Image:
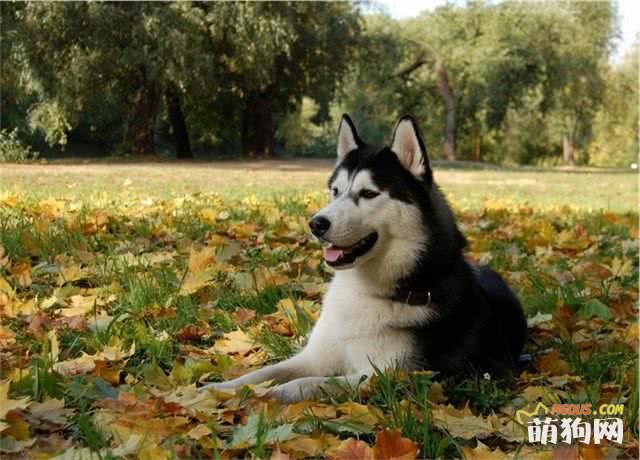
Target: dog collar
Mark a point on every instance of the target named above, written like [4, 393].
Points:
[413, 298]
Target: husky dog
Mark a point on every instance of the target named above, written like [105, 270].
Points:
[402, 294]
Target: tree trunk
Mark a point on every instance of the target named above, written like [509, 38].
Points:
[178, 124]
[568, 144]
[450, 105]
[257, 125]
[138, 138]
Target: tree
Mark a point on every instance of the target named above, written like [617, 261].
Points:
[275, 53]
[580, 69]
[263, 56]
[615, 124]
[130, 51]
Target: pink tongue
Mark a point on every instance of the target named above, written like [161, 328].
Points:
[331, 254]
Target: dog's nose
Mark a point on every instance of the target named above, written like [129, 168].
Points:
[319, 225]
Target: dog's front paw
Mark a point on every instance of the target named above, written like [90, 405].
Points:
[286, 393]
[218, 386]
[297, 390]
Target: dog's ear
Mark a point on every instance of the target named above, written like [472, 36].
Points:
[407, 144]
[347, 137]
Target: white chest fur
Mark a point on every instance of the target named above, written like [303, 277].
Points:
[359, 326]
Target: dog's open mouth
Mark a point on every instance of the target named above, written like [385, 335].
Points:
[337, 256]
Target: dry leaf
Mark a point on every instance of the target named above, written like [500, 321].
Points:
[234, 342]
[553, 364]
[242, 316]
[351, 449]
[391, 445]
[7, 405]
[482, 451]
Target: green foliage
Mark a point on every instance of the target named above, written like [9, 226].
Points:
[13, 149]
[481, 392]
[301, 136]
[391, 391]
[615, 127]
[502, 82]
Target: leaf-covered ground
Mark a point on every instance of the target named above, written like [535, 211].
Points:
[113, 310]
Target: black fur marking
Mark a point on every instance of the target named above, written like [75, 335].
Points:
[347, 119]
[479, 325]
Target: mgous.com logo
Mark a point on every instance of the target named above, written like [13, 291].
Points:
[572, 427]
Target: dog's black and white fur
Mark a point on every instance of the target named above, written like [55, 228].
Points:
[403, 294]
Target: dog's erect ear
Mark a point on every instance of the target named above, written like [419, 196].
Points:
[347, 137]
[408, 146]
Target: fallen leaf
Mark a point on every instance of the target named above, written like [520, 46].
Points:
[77, 366]
[462, 423]
[553, 364]
[277, 454]
[391, 445]
[234, 342]
[7, 405]
[242, 316]
[199, 431]
[7, 338]
[482, 451]
[351, 449]
[310, 446]
[49, 412]
[22, 273]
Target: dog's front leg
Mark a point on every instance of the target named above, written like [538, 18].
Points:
[292, 368]
[315, 387]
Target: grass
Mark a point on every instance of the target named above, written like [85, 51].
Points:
[468, 188]
[121, 242]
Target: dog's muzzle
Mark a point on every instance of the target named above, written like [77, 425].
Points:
[319, 226]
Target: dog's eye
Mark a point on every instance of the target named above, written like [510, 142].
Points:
[334, 191]
[368, 194]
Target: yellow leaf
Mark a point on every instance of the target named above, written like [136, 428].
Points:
[80, 305]
[69, 271]
[22, 273]
[87, 363]
[10, 201]
[621, 268]
[114, 351]
[7, 338]
[77, 366]
[463, 424]
[300, 409]
[153, 453]
[351, 449]
[310, 446]
[207, 215]
[234, 342]
[359, 413]
[199, 431]
[5, 287]
[201, 259]
[18, 430]
[7, 405]
[17, 307]
[193, 282]
[483, 451]
[55, 346]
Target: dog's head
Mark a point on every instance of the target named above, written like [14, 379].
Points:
[377, 197]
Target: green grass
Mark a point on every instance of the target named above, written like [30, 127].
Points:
[255, 218]
[467, 187]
